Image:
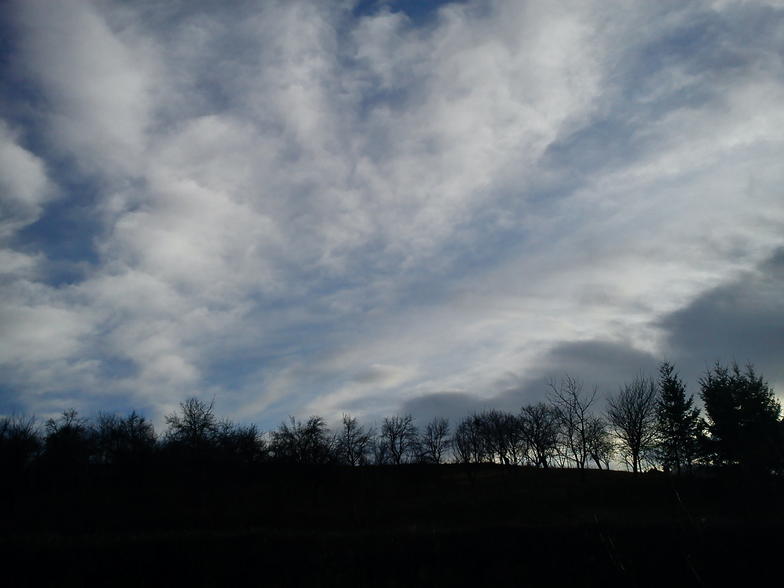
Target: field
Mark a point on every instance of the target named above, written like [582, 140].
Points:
[389, 526]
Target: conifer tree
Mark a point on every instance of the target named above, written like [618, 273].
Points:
[743, 418]
[677, 421]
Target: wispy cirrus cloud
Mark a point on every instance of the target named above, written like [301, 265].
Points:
[312, 207]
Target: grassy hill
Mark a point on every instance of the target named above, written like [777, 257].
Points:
[388, 526]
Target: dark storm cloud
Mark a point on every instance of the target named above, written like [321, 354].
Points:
[603, 365]
[741, 321]
[451, 405]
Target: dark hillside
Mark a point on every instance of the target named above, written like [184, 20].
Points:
[389, 526]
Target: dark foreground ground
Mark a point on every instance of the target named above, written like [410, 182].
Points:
[405, 526]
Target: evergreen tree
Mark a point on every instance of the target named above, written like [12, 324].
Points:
[743, 418]
[677, 421]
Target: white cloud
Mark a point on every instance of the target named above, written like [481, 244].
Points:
[24, 186]
[303, 197]
[98, 87]
[13, 263]
[39, 333]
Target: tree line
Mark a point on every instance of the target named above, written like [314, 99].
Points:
[648, 423]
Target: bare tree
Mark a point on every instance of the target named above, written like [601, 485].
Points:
[354, 442]
[496, 430]
[380, 451]
[68, 446]
[467, 442]
[539, 426]
[435, 440]
[399, 435]
[632, 415]
[573, 409]
[490, 436]
[19, 442]
[518, 443]
[68, 436]
[241, 443]
[599, 440]
[195, 428]
[306, 443]
[123, 439]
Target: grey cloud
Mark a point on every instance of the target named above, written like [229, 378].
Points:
[742, 320]
[601, 363]
[451, 405]
[377, 374]
[605, 365]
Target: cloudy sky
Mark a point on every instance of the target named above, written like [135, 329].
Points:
[371, 207]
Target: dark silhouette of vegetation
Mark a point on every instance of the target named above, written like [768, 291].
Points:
[241, 443]
[308, 443]
[19, 443]
[399, 442]
[467, 442]
[195, 428]
[573, 408]
[68, 444]
[645, 423]
[743, 417]
[601, 448]
[435, 442]
[502, 437]
[678, 423]
[632, 415]
[354, 442]
[493, 489]
[129, 440]
[539, 428]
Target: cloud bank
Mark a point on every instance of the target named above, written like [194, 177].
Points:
[306, 207]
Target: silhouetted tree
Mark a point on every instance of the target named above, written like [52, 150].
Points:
[600, 445]
[240, 443]
[399, 435]
[490, 429]
[123, 440]
[632, 415]
[574, 411]
[467, 442]
[308, 443]
[435, 442]
[380, 451]
[19, 443]
[539, 427]
[195, 429]
[68, 445]
[743, 417]
[677, 421]
[502, 436]
[354, 442]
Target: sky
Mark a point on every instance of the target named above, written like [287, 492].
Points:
[381, 207]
